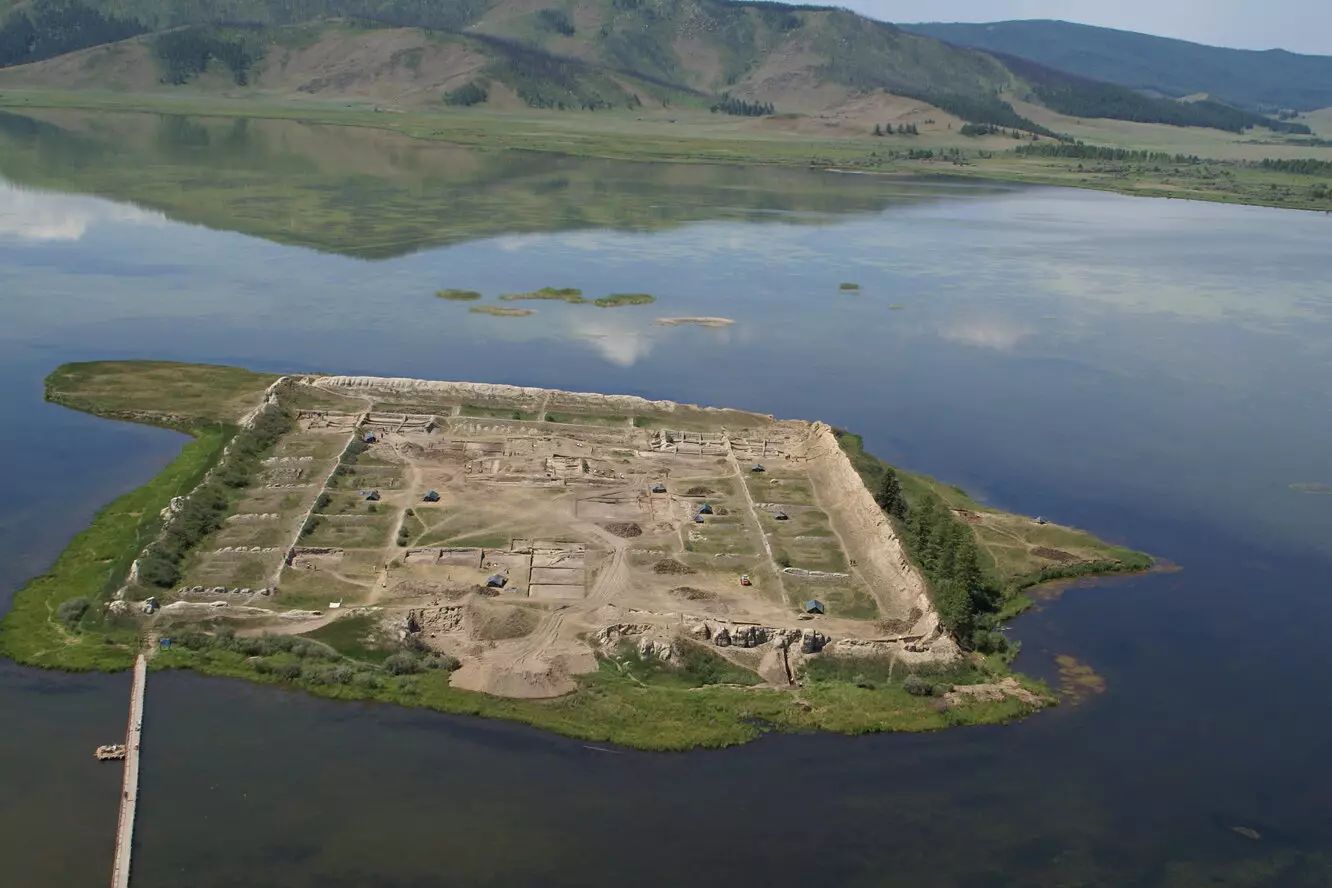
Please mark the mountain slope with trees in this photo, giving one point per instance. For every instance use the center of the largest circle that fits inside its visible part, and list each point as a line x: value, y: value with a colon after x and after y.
x: 1265, y: 80
x: 740, y: 58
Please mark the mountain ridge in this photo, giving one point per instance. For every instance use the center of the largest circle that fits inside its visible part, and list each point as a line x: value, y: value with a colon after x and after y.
x: 746, y: 58
x: 1270, y: 79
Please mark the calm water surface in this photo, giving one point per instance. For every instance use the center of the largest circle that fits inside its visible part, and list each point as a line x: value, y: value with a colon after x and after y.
x: 1154, y: 371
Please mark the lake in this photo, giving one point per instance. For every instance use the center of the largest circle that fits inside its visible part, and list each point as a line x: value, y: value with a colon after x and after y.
x: 1153, y: 371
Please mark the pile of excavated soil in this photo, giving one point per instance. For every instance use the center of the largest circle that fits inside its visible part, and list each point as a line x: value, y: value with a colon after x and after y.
x: 451, y: 591
x: 501, y: 623
x: 898, y: 627
x: 1053, y: 554
x: 671, y: 566
x: 626, y: 530
x: 968, y: 516
x: 699, y: 491
x: 689, y: 593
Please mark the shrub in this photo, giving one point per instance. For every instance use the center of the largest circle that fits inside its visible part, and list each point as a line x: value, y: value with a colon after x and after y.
x: 443, y: 661
x: 288, y: 671
x: 402, y: 664
x: 71, y: 611
x: 467, y: 95
x: 341, y: 675
x: 917, y: 686
x: 987, y: 642
x: 556, y: 20
x: 158, y: 569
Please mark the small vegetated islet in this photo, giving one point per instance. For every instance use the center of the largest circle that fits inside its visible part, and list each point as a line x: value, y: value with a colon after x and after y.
x: 571, y: 295
x: 501, y: 311
x: 615, y: 300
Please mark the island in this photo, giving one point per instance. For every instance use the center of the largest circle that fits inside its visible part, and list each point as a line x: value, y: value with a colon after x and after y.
x: 647, y: 573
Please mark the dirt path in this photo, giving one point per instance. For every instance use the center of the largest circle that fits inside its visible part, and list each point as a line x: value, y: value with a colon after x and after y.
x: 752, y: 519
x: 610, y: 581
x: 294, y: 627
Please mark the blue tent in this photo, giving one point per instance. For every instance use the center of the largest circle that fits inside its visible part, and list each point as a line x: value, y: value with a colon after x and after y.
x: 372, y: 496
x: 698, y: 519
x: 370, y: 438
x: 431, y: 497
x: 658, y: 488
x: 757, y: 467
x: 705, y: 509
x: 498, y: 581
x: 814, y: 606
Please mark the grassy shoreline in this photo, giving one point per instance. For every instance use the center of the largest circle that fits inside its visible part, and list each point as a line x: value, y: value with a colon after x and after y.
x: 93, y: 566
x: 636, y: 704
x: 581, y: 135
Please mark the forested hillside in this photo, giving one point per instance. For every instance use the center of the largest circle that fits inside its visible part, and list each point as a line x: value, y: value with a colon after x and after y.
x: 1081, y: 97
x: 748, y: 59
x: 1268, y: 81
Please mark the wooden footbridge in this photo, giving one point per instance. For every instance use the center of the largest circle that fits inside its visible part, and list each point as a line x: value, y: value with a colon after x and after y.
x: 129, y: 797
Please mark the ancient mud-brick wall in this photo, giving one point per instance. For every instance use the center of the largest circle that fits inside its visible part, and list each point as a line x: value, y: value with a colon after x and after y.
x: 526, y: 399
x: 172, y: 512
x: 882, y: 559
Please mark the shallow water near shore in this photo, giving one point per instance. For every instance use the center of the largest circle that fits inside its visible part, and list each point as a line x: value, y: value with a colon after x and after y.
x: 1152, y: 371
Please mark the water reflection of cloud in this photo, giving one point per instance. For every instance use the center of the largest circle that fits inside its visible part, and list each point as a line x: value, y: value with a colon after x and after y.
x: 770, y: 244
x: 514, y: 243
x: 619, y: 343
x: 992, y: 333
x: 46, y: 216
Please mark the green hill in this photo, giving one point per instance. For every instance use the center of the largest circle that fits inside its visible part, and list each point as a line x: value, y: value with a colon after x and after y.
x: 1268, y: 80
x: 748, y: 59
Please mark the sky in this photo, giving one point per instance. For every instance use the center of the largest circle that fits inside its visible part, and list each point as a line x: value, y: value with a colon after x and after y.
x: 1297, y: 25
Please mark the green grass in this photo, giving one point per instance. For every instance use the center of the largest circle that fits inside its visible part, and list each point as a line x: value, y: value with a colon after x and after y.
x: 93, y: 566
x: 693, y: 666
x: 613, y: 706
x: 494, y: 412
x: 1007, y: 540
x: 586, y: 419
x: 166, y: 393
x: 615, y: 300
x: 571, y: 295
x: 458, y: 295
x: 354, y: 637
x: 215, y: 192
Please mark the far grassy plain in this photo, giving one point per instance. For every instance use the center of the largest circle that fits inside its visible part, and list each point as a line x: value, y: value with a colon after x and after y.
x: 683, y: 136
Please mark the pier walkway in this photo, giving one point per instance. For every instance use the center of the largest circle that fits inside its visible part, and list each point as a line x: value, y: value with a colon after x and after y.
x: 129, y: 799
